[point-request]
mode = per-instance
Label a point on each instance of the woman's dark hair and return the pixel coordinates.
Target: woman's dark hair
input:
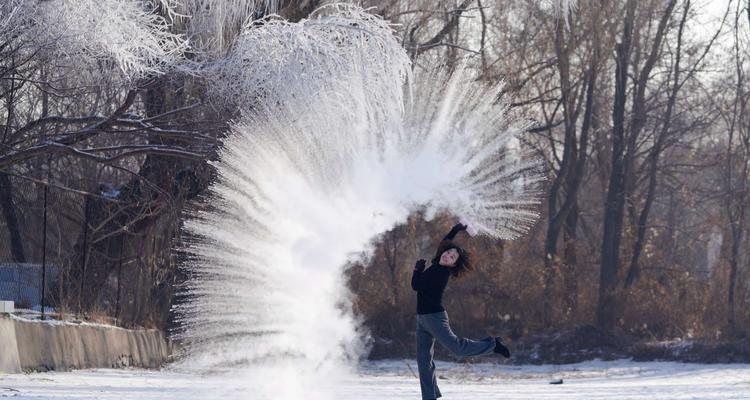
(463, 263)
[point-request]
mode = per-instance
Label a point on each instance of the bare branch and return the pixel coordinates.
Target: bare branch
(131, 150)
(438, 38)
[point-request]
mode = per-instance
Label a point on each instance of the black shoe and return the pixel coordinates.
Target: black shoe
(500, 348)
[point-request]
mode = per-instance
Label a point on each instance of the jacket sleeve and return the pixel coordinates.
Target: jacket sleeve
(453, 232)
(416, 280)
(448, 237)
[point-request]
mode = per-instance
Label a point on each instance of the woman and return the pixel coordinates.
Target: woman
(432, 320)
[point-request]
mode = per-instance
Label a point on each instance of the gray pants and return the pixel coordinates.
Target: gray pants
(435, 326)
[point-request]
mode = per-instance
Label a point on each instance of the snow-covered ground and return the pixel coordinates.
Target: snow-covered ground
(394, 380)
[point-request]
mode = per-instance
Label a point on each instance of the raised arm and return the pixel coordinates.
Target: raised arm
(454, 231)
(446, 240)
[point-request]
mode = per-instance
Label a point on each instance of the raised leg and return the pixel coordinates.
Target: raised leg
(438, 326)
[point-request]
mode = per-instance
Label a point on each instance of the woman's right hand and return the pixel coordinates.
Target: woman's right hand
(420, 265)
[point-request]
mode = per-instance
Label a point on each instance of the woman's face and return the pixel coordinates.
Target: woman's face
(449, 258)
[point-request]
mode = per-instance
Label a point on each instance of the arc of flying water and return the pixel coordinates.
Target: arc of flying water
(330, 152)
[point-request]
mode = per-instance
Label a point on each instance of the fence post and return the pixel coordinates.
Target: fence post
(44, 249)
(119, 278)
(45, 112)
(85, 248)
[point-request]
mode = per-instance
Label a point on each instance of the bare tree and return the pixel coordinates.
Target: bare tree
(665, 135)
(737, 169)
(624, 150)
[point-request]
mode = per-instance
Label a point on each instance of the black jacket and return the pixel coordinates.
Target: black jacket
(431, 282)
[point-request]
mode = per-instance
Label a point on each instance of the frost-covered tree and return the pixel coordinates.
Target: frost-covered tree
(73, 108)
(212, 25)
(58, 51)
(131, 34)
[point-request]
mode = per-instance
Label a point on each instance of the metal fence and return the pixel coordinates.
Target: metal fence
(97, 256)
(40, 240)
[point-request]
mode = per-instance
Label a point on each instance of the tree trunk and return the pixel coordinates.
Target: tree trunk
(571, 263)
(11, 219)
(614, 205)
(733, 266)
(390, 250)
(555, 216)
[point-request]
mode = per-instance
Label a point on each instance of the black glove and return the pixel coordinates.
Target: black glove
(420, 265)
(454, 231)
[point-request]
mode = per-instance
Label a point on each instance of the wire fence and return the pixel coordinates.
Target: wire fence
(47, 241)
